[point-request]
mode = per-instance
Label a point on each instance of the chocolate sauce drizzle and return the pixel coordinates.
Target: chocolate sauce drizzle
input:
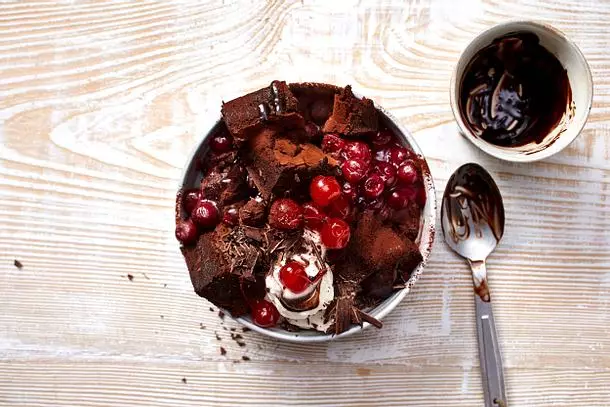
(472, 198)
(274, 106)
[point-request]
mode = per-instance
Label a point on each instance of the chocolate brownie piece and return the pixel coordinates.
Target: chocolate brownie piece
(275, 105)
(380, 247)
(209, 265)
(279, 165)
(253, 213)
(352, 116)
(225, 181)
(406, 221)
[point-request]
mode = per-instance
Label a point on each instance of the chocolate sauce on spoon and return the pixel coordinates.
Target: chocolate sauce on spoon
(514, 91)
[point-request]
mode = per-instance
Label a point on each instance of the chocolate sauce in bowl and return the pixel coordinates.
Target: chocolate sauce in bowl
(514, 91)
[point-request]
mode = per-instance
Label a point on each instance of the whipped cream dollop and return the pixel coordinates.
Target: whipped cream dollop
(305, 309)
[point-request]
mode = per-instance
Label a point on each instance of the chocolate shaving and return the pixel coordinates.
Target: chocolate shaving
(245, 358)
(18, 264)
(223, 351)
(371, 320)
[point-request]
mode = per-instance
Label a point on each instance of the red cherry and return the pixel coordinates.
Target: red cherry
(264, 314)
(386, 171)
(231, 216)
(340, 208)
(373, 186)
(324, 189)
(205, 214)
(357, 150)
(407, 173)
(397, 155)
(382, 155)
(221, 143)
(354, 170)
(400, 197)
(190, 199)
(286, 214)
(186, 231)
(314, 216)
(294, 277)
(333, 144)
(348, 190)
(381, 138)
(335, 234)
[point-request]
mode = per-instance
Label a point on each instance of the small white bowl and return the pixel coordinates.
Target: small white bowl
(191, 178)
(579, 76)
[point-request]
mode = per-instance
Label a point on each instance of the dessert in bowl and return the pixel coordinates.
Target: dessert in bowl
(307, 212)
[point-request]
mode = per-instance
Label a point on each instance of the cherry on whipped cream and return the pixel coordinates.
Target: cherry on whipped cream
(286, 214)
(186, 231)
(293, 277)
(264, 314)
(324, 189)
(335, 233)
(206, 214)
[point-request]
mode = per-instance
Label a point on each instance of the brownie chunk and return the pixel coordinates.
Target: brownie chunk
(253, 213)
(279, 165)
(209, 266)
(406, 221)
(352, 116)
(275, 105)
(225, 181)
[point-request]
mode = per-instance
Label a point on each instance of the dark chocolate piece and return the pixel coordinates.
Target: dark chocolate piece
(253, 213)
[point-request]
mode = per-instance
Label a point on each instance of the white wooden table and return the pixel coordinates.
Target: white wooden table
(100, 103)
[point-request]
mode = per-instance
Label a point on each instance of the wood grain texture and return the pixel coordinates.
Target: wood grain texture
(100, 104)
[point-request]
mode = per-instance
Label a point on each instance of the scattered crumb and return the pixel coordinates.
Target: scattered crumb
(223, 351)
(164, 285)
(130, 277)
(221, 314)
(184, 380)
(145, 276)
(201, 326)
(161, 316)
(246, 358)
(18, 264)
(233, 329)
(218, 338)
(224, 328)
(211, 309)
(245, 329)
(238, 339)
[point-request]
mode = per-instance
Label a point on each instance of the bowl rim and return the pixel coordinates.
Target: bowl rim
(427, 234)
(503, 153)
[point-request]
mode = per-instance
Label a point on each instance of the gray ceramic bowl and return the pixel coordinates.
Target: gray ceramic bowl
(191, 179)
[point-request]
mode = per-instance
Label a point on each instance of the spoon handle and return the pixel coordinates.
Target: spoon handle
(489, 355)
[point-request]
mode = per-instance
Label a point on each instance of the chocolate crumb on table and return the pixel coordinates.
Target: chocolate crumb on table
(201, 326)
(130, 277)
(223, 351)
(245, 358)
(221, 314)
(211, 309)
(245, 329)
(18, 264)
(218, 338)
(184, 380)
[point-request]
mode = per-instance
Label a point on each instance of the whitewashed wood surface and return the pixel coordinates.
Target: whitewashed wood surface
(101, 102)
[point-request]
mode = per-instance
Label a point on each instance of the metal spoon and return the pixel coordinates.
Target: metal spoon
(473, 223)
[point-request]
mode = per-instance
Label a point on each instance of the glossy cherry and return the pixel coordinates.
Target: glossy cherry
(373, 186)
(313, 215)
(349, 191)
(354, 169)
(324, 189)
(190, 199)
(397, 155)
(357, 150)
(407, 173)
(335, 234)
(381, 138)
(386, 171)
(341, 208)
(222, 143)
(231, 216)
(206, 214)
(333, 144)
(186, 231)
(293, 277)
(400, 197)
(286, 214)
(264, 314)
